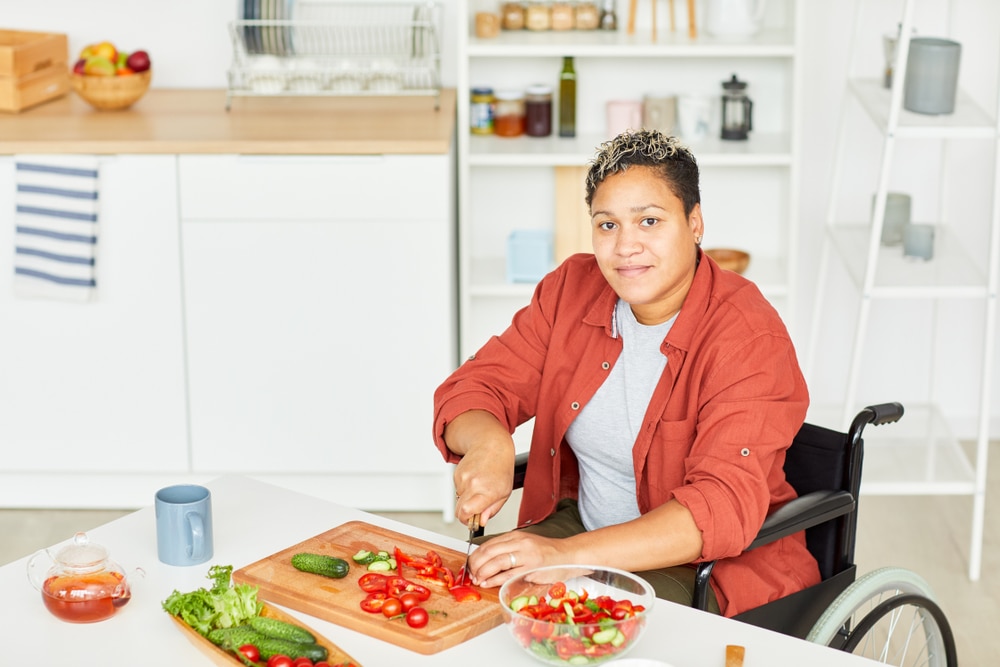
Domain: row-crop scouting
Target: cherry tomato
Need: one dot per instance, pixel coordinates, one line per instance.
(322, 663)
(302, 662)
(557, 590)
(410, 600)
(391, 607)
(250, 652)
(417, 617)
(280, 660)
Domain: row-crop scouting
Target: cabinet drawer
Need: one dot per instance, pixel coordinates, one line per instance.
(354, 187)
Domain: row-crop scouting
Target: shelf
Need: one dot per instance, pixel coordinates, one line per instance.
(768, 43)
(951, 273)
(488, 278)
(761, 150)
(915, 456)
(968, 120)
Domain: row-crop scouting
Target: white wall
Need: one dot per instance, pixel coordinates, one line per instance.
(189, 44)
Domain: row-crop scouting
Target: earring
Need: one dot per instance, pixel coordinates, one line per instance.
(698, 240)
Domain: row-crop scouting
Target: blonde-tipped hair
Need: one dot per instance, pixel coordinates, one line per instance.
(648, 148)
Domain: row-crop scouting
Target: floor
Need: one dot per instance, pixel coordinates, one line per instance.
(928, 535)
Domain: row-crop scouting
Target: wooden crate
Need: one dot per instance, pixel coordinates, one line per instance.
(33, 68)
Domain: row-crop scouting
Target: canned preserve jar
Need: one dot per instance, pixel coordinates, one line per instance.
(481, 111)
(512, 16)
(539, 16)
(509, 119)
(538, 111)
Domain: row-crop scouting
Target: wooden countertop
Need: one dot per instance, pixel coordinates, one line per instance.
(196, 121)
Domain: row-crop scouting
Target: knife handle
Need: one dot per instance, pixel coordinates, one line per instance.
(474, 523)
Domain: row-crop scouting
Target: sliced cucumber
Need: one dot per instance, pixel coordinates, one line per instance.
(606, 636)
(363, 557)
(380, 566)
(519, 603)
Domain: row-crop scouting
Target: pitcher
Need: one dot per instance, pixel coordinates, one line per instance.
(733, 18)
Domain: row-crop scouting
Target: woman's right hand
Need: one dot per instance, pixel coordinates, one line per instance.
(484, 478)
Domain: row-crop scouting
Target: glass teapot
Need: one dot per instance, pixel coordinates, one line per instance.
(79, 583)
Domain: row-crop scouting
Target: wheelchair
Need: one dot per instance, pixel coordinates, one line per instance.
(888, 615)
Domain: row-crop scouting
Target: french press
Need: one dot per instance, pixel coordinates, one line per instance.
(737, 117)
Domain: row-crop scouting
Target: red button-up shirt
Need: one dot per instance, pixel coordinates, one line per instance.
(725, 410)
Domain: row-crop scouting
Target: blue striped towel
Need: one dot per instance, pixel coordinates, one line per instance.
(56, 226)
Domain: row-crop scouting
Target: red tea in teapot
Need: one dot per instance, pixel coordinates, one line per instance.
(84, 598)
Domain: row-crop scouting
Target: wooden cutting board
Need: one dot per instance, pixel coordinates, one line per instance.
(338, 600)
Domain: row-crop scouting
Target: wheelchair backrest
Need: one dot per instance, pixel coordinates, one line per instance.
(822, 459)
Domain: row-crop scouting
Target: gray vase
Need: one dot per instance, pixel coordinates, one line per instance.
(931, 75)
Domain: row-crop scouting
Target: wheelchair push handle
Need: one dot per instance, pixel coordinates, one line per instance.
(881, 413)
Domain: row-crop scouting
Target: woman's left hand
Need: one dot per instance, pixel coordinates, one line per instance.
(505, 556)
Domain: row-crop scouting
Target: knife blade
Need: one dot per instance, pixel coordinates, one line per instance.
(473, 527)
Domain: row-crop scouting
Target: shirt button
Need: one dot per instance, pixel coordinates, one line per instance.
(574, 405)
(605, 365)
(471, 357)
(552, 452)
(744, 452)
(527, 521)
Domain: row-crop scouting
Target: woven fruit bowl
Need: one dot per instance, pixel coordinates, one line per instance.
(112, 92)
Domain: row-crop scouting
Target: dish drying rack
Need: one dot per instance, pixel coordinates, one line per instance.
(339, 49)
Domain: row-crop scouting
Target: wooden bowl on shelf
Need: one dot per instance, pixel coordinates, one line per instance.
(730, 259)
(108, 93)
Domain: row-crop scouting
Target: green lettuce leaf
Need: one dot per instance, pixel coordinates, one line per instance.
(224, 606)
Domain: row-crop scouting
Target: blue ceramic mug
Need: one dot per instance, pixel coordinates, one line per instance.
(184, 524)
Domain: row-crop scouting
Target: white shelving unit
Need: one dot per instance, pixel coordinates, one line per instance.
(508, 183)
(920, 456)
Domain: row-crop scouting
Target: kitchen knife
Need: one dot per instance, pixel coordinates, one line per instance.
(473, 527)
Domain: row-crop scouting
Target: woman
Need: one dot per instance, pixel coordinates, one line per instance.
(665, 392)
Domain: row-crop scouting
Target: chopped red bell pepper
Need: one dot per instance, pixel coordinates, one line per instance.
(464, 593)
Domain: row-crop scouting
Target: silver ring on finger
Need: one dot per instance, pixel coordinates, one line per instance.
(513, 560)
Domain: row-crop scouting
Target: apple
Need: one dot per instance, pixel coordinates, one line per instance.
(98, 66)
(78, 67)
(138, 61)
(106, 50)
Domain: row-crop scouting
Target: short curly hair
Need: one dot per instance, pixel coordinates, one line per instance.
(648, 148)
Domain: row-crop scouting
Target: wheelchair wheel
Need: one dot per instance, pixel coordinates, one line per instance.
(888, 615)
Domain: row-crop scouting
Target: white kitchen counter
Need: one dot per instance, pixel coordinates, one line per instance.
(253, 520)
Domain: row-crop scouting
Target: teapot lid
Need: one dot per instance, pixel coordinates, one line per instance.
(734, 84)
(82, 553)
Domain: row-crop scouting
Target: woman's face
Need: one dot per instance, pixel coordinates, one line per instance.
(644, 243)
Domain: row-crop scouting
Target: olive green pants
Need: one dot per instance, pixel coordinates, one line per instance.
(670, 583)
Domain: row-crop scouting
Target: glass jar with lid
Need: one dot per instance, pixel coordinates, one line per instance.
(512, 16)
(538, 16)
(481, 110)
(562, 13)
(509, 118)
(538, 110)
(588, 16)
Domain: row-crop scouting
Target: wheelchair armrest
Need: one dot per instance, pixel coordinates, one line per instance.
(797, 514)
(803, 512)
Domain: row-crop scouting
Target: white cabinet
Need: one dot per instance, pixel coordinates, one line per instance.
(749, 188)
(94, 393)
(958, 191)
(320, 317)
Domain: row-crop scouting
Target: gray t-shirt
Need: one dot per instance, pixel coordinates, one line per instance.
(603, 434)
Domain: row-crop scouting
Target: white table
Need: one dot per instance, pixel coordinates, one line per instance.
(253, 520)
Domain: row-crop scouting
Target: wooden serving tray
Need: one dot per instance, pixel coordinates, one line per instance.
(338, 600)
(224, 658)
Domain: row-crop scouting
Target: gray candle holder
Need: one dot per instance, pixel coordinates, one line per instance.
(931, 81)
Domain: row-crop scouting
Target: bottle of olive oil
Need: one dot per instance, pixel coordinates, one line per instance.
(567, 99)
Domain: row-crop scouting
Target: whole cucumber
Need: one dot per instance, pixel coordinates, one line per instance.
(269, 647)
(272, 627)
(328, 566)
